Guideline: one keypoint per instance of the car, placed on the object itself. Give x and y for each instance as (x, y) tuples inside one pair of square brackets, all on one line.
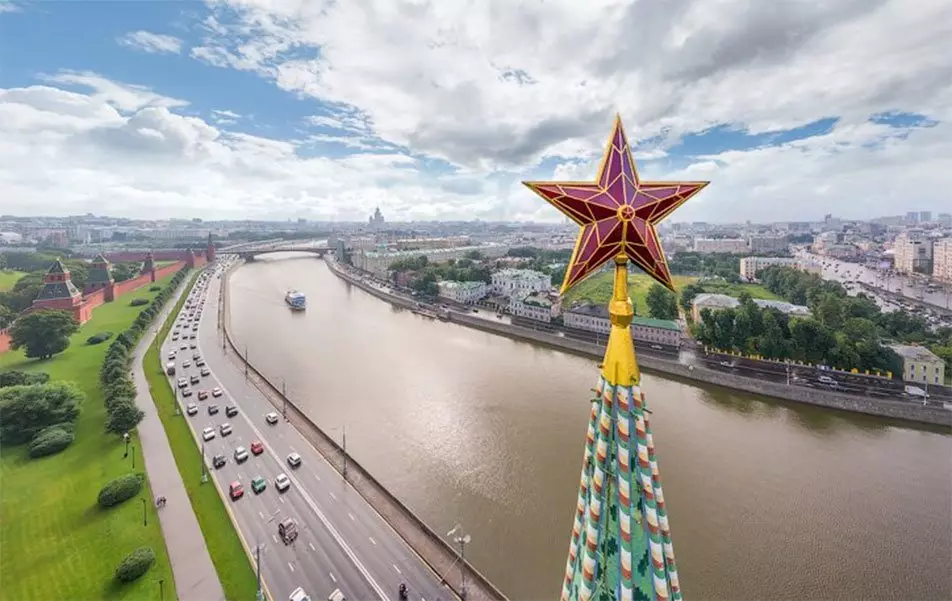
[(216, 391), (186, 392), (196, 355), (172, 354), (257, 447), (192, 337), (231, 410), (241, 454), (219, 461), (336, 595), (199, 362), (193, 345), (181, 382), (294, 460), (202, 395), (282, 482), (298, 594), (258, 484), (208, 434), (186, 364), (212, 409), (191, 409), (206, 372), (184, 347), (271, 418), (225, 429), (194, 379)]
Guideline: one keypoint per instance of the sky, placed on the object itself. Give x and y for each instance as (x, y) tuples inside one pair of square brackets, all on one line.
[(438, 109)]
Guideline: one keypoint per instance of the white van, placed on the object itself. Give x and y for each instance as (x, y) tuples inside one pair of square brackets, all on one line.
[(170, 368)]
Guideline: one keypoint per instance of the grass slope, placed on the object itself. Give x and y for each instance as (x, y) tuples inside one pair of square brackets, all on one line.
[(234, 570), (57, 543), (8, 278), (598, 289)]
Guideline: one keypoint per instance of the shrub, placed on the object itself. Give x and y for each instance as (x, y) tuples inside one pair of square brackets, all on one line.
[(123, 416), (100, 337), (155, 288), (26, 410), (138, 302), (135, 564), (22, 378), (121, 489), (52, 440)]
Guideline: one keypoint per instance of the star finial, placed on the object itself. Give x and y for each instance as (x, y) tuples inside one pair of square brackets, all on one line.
[(617, 213)]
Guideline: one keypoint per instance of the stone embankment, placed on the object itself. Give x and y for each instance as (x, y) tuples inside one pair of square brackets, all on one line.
[(903, 410), (428, 544)]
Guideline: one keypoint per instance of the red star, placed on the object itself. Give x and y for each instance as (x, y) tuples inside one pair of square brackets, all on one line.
[(617, 213)]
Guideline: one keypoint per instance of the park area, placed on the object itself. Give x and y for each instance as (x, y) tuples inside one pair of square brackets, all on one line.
[(57, 542), (598, 289), (8, 278)]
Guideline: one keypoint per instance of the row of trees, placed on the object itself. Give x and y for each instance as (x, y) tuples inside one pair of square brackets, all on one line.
[(467, 269), (122, 413)]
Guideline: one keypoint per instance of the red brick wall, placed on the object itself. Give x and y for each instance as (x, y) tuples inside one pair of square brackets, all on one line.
[(94, 299), (130, 285), (4, 341), (159, 255), (168, 270)]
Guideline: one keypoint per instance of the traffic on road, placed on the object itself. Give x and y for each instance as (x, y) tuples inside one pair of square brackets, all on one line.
[(316, 537)]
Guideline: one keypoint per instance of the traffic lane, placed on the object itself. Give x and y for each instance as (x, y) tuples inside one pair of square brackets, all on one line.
[(392, 559), (269, 468)]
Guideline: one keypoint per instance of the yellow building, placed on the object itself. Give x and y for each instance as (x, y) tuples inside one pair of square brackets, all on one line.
[(920, 365)]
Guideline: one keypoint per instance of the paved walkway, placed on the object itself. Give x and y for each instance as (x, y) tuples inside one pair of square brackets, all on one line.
[(195, 575)]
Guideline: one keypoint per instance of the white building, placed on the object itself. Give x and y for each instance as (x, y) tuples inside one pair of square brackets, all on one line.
[(520, 282), (749, 266), (379, 262), (942, 260), (540, 306), (595, 318), (733, 246), (465, 293), (913, 251), (716, 302)]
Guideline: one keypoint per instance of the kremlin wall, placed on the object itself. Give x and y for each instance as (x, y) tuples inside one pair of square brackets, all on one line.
[(59, 292)]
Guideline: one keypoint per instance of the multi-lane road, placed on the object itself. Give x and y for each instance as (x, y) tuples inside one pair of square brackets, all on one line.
[(343, 543)]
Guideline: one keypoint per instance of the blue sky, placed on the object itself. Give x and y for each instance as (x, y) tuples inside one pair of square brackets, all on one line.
[(326, 110)]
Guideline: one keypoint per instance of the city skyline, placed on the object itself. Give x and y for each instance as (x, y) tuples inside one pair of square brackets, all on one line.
[(275, 111)]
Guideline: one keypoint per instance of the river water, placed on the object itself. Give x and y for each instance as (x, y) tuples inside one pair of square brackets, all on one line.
[(767, 500)]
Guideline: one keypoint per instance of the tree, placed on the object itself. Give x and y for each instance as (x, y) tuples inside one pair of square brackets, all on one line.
[(662, 303), (124, 271), (6, 316), (25, 410), (22, 378), (688, 293), (123, 416), (43, 333)]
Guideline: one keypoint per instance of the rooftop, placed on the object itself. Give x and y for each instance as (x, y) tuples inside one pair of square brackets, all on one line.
[(915, 353), (722, 301)]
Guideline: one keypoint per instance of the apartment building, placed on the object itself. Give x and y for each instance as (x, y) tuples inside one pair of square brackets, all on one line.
[(734, 246), (913, 252), (749, 266), (595, 318), (520, 282), (919, 364), (540, 306), (942, 260), (465, 293)]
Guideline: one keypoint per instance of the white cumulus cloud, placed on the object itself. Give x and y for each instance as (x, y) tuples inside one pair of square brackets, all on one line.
[(153, 43)]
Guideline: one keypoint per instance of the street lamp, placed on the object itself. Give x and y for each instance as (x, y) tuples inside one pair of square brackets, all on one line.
[(343, 430), (125, 437), (133, 456), (145, 516), (204, 467), (460, 539)]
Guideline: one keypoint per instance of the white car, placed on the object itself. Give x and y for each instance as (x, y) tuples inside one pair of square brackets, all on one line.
[(186, 364), (225, 429), (298, 594), (282, 482), (208, 434), (294, 460), (216, 391), (271, 418), (241, 454), (191, 409)]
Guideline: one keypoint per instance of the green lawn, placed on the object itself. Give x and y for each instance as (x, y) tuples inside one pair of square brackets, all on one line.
[(598, 289), (8, 278), (754, 290), (56, 543), (232, 564)]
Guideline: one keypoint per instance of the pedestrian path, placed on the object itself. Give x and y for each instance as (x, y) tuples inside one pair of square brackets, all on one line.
[(192, 567)]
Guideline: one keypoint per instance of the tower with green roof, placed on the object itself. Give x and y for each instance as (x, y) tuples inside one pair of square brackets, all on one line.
[(58, 292), (100, 276), (148, 266)]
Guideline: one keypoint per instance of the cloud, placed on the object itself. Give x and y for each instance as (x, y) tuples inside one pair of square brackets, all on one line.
[(8, 7), (153, 43), (125, 97)]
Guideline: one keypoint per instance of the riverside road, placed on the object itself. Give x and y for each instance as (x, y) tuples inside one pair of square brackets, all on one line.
[(343, 543), (466, 426)]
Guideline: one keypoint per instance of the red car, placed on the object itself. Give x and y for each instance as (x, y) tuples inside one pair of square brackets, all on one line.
[(236, 491), (257, 447), (202, 395)]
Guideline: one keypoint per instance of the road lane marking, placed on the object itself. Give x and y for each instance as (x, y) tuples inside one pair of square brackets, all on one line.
[(261, 513), (291, 565), (351, 517), (372, 540), (396, 568), (331, 574), (311, 545), (275, 537), (282, 499), (333, 496), (318, 477)]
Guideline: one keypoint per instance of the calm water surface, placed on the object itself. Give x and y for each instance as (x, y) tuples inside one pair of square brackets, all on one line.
[(767, 501)]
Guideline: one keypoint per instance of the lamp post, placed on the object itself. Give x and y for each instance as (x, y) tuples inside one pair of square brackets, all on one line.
[(456, 534), (125, 437), (204, 467), (145, 516), (246, 362), (259, 595), (133, 456), (161, 589), (343, 430)]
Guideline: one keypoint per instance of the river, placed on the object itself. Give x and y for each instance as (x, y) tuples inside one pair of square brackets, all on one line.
[(767, 500)]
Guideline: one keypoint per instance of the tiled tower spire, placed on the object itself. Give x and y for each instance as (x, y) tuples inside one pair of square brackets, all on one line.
[(58, 291)]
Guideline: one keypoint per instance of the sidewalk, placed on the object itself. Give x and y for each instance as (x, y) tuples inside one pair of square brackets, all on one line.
[(195, 575)]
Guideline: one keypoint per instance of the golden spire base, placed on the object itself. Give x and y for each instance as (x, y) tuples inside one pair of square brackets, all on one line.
[(620, 368)]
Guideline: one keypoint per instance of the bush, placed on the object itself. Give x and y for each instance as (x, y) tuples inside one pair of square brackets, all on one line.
[(155, 288), (123, 415), (22, 378), (135, 564), (138, 302), (100, 337), (52, 440), (26, 410), (121, 489)]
